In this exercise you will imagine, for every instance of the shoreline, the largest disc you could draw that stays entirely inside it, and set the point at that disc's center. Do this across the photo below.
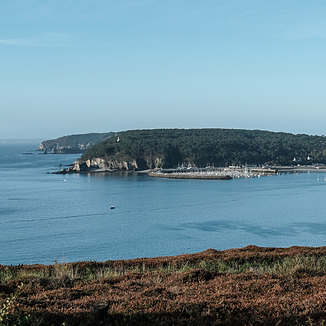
(189, 176)
(99, 170)
(209, 173)
(248, 252)
(229, 173)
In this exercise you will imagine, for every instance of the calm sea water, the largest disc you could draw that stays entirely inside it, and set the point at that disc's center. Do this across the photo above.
(46, 217)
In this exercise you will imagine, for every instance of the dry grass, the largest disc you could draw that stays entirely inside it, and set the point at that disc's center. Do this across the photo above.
(248, 286)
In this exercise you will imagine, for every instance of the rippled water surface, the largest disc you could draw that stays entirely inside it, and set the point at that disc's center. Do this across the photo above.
(47, 217)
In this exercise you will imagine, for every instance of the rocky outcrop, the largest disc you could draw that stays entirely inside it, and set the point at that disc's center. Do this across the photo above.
(80, 167)
(100, 165)
(57, 148)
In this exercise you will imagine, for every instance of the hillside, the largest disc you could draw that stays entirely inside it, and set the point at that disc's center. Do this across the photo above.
(247, 286)
(167, 148)
(73, 143)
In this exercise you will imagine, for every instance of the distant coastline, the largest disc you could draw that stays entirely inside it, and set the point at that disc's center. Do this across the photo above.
(209, 173)
(20, 141)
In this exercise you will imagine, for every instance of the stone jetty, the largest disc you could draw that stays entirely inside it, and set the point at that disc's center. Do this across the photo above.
(212, 173)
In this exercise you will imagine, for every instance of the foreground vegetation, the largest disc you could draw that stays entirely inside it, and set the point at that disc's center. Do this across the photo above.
(248, 286)
(201, 147)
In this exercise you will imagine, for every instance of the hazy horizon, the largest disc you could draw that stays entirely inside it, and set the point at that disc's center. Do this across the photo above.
(35, 140)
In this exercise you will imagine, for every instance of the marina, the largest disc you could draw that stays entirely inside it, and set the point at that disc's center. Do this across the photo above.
(231, 172)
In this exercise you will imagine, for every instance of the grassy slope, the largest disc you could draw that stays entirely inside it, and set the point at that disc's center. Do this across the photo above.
(248, 286)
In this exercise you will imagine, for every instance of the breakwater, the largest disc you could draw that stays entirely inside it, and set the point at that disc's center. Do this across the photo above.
(232, 172)
(212, 173)
(189, 176)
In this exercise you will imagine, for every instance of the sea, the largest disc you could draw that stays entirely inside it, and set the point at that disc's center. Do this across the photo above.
(47, 218)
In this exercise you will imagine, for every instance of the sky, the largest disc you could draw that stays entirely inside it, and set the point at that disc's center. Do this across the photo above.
(70, 67)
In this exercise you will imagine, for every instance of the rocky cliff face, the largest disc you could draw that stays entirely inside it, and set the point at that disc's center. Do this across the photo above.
(100, 165)
(106, 165)
(57, 148)
(111, 165)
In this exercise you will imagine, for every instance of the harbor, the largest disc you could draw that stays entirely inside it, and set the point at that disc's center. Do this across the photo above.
(231, 172)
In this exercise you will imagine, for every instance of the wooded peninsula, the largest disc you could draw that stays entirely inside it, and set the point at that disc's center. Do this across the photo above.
(168, 148)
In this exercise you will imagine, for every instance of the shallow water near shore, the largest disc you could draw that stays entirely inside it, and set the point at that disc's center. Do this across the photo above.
(47, 217)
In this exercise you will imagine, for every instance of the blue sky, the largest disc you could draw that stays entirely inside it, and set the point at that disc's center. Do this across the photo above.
(71, 67)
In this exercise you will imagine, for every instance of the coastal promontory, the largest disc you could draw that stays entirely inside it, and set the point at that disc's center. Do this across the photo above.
(73, 143)
(172, 148)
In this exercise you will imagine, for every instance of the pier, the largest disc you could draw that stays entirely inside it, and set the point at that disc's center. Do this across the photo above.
(232, 172)
(213, 173)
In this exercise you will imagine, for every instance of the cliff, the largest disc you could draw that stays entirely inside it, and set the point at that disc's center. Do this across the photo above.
(172, 148)
(99, 165)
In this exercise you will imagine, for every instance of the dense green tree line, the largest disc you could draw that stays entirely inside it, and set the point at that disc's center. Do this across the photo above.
(202, 147)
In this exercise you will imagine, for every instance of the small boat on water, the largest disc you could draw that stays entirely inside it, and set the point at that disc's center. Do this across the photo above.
(112, 207)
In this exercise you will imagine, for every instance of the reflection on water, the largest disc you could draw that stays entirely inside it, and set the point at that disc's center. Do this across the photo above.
(220, 226)
(313, 228)
(44, 217)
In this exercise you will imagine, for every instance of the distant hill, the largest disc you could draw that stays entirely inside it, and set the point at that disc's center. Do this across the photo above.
(73, 143)
(201, 147)
(21, 141)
